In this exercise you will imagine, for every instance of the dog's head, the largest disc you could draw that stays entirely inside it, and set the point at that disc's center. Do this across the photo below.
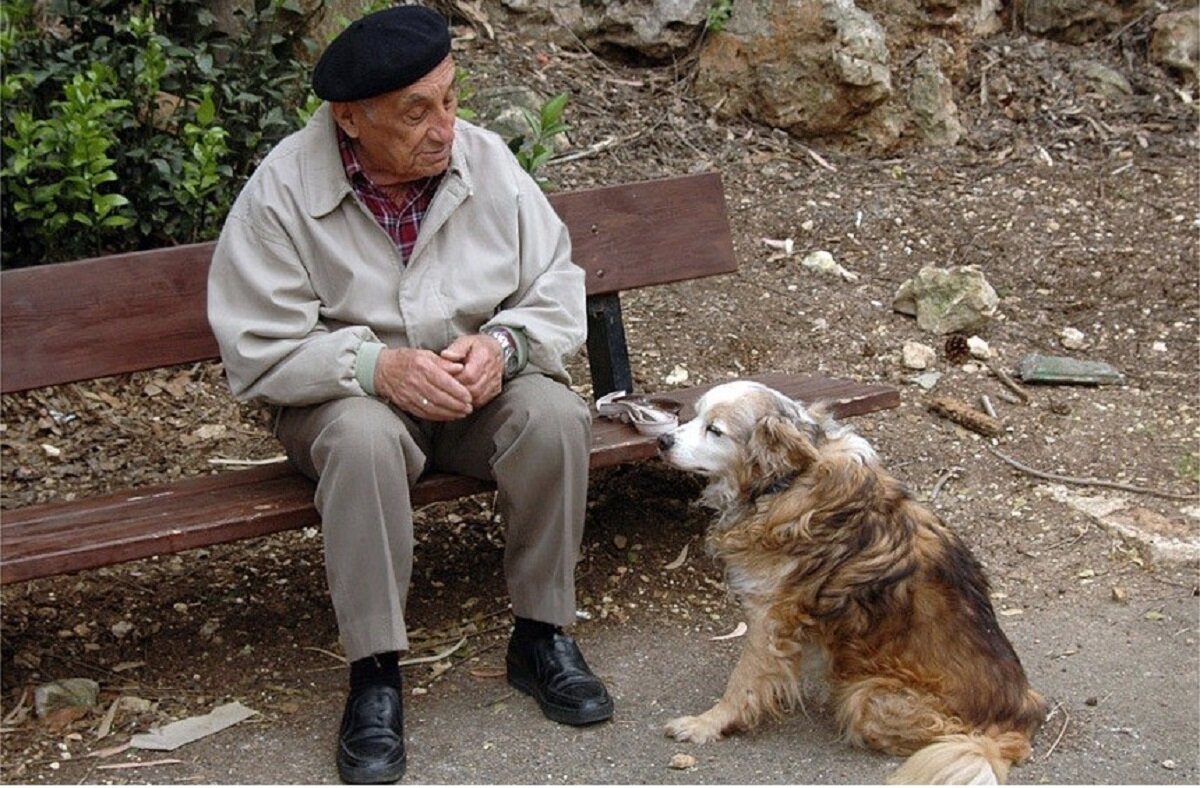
(746, 436)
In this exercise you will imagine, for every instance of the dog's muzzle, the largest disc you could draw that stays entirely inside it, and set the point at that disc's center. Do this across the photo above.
(666, 441)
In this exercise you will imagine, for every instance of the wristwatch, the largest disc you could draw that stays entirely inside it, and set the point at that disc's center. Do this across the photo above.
(508, 344)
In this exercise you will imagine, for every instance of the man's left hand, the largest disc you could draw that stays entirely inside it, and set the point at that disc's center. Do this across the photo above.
(482, 361)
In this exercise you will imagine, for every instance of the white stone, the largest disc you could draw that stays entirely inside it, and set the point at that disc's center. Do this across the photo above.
(918, 356)
(978, 348)
(1072, 338)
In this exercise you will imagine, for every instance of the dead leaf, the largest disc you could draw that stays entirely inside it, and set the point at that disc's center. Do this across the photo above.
(106, 724)
(678, 562)
(61, 718)
(108, 752)
(737, 632)
(488, 673)
(182, 732)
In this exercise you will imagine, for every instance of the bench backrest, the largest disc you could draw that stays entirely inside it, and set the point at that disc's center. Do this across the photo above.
(123, 313)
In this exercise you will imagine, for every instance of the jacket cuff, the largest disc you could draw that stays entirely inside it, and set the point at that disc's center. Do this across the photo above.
(364, 365)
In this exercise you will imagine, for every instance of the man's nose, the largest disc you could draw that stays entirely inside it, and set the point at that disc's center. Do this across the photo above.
(443, 127)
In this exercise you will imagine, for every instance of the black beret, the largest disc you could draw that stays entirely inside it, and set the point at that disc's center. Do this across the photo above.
(382, 52)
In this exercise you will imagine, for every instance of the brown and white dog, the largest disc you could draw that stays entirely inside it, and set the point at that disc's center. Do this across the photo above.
(834, 560)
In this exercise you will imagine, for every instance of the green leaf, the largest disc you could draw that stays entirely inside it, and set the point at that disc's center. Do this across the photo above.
(207, 109)
(552, 110)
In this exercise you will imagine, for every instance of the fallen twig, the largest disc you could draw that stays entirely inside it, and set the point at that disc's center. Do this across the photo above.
(961, 413)
(338, 657)
(592, 150)
(235, 461)
(140, 764)
(433, 657)
(1089, 482)
(1057, 739)
(817, 158)
(1009, 383)
(941, 482)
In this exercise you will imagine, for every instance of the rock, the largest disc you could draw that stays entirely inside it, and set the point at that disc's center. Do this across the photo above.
(978, 348)
(657, 29)
(918, 356)
(1175, 42)
(947, 300)
(926, 380)
(931, 99)
(1073, 21)
(815, 67)
(823, 262)
(1072, 339)
(502, 110)
(65, 694)
(1102, 80)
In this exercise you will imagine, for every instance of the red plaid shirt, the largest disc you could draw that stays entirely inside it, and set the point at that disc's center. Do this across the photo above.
(400, 222)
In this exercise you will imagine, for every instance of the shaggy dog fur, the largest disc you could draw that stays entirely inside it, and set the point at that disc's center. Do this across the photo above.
(833, 559)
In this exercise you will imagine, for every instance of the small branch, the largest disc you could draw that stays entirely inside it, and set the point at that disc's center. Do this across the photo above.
(235, 461)
(1061, 731)
(966, 416)
(338, 657)
(592, 150)
(817, 158)
(433, 657)
(941, 482)
(1087, 482)
(1007, 380)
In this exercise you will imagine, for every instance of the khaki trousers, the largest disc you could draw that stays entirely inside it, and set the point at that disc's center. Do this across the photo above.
(533, 440)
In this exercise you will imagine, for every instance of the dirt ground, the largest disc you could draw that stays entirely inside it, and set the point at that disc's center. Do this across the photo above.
(1080, 210)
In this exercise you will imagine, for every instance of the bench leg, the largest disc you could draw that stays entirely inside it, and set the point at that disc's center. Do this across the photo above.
(608, 355)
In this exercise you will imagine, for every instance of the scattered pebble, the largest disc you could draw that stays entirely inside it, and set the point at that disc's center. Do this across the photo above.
(917, 355)
(1072, 339)
(682, 760)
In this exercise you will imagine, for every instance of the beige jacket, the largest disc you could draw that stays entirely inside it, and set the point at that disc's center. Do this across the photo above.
(306, 288)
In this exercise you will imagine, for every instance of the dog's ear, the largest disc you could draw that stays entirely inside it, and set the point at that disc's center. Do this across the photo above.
(779, 445)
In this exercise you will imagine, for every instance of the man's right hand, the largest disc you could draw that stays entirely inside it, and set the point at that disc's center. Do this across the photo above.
(422, 383)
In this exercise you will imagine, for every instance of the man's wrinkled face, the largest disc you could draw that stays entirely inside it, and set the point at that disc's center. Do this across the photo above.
(407, 134)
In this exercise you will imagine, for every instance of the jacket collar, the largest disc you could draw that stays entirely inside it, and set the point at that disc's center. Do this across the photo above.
(324, 176)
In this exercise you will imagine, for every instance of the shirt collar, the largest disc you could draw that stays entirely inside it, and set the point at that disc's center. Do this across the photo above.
(326, 179)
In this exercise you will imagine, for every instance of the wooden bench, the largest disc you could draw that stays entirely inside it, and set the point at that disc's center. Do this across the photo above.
(105, 316)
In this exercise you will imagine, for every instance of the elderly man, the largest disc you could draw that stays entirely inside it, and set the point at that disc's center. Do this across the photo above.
(395, 281)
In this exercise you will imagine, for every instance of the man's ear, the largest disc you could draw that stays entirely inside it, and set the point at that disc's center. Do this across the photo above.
(778, 445)
(345, 116)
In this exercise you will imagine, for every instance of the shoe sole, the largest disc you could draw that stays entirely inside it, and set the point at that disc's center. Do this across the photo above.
(558, 713)
(373, 775)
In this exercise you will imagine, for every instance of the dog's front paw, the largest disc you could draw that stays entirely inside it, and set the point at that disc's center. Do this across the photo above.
(695, 729)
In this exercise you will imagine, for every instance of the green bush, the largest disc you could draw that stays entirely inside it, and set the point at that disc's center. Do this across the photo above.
(134, 125)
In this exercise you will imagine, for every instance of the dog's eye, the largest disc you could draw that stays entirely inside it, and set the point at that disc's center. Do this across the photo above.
(714, 430)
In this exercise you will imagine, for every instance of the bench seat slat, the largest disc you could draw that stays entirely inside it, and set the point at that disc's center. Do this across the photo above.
(55, 538)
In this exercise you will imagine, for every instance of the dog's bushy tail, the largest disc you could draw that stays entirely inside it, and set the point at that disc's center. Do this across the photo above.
(964, 759)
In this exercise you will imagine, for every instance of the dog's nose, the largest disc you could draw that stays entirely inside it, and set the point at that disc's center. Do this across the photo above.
(666, 441)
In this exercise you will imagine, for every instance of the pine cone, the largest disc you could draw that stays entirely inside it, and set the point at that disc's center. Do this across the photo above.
(957, 350)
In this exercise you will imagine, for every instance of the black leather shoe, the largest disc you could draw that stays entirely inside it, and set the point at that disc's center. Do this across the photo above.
(371, 739)
(553, 671)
